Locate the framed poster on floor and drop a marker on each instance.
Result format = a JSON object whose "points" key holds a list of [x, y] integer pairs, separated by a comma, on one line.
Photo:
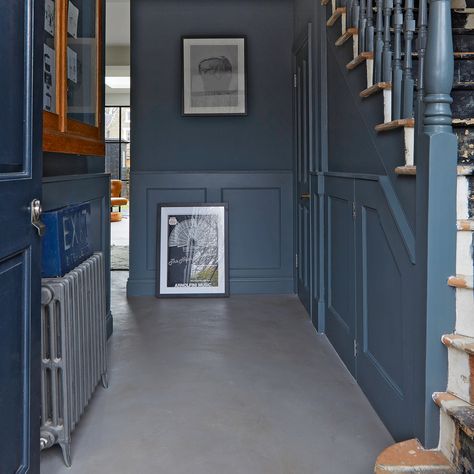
{"points": [[192, 250]]}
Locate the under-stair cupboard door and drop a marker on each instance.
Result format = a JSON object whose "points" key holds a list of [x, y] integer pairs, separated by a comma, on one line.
{"points": [[21, 25], [385, 309], [303, 157], [340, 258]]}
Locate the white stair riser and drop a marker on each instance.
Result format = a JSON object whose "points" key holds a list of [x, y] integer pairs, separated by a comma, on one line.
{"points": [[387, 105], [343, 23], [465, 312], [463, 195], [409, 135], [459, 374], [447, 436], [369, 64], [333, 3], [464, 257], [355, 45]]}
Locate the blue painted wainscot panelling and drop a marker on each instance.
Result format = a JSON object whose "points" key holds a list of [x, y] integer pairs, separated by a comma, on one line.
{"points": [[260, 225], [60, 191]]}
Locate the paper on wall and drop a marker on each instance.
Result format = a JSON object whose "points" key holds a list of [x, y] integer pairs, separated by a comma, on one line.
{"points": [[72, 20], [71, 65], [49, 16], [49, 78]]}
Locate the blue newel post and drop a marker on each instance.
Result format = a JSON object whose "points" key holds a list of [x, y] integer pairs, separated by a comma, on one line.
{"points": [[436, 216]]}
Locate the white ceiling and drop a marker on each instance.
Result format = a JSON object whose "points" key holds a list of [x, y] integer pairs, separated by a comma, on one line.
{"points": [[117, 23]]}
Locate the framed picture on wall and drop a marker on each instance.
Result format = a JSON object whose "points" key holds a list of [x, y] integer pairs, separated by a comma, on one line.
{"points": [[214, 76], [192, 250]]}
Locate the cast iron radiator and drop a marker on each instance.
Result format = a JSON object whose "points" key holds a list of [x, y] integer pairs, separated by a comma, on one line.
{"points": [[74, 341]]}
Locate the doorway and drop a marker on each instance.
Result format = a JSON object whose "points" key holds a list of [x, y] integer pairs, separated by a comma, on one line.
{"points": [[117, 163]]}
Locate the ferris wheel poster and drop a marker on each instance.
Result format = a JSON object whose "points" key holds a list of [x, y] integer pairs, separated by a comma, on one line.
{"points": [[192, 250]]}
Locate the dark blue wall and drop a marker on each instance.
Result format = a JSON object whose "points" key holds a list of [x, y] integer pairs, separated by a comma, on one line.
{"points": [[245, 161], [165, 140]]}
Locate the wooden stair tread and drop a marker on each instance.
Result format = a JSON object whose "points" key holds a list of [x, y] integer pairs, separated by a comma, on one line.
{"points": [[336, 14], [380, 86], [459, 342], [362, 57], [406, 170], [324, 2], [394, 124], [465, 225], [343, 38], [462, 170], [400, 457], [461, 281], [463, 54], [460, 411], [463, 122]]}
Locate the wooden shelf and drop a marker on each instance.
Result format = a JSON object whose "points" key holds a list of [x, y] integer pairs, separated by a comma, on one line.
{"points": [[359, 60], [335, 16], [380, 86], [394, 124], [343, 38]]}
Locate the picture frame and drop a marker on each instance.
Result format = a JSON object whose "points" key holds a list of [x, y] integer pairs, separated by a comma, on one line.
{"points": [[214, 76], [192, 250]]}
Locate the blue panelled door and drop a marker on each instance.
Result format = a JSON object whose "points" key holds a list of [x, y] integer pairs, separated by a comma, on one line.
{"points": [[303, 155], [20, 184]]}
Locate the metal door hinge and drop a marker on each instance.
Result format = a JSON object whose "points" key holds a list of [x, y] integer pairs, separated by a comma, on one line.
{"points": [[356, 348], [354, 210], [295, 81]]}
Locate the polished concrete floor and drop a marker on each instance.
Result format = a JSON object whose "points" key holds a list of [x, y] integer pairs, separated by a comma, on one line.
{"points": [[222, 386]]}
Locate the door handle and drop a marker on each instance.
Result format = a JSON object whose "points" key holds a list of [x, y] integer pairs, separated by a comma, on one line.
{"points": [[36, 222], [305, 196]]}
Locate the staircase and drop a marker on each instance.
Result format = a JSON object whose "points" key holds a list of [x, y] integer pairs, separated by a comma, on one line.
{"points": [[389, 40]]}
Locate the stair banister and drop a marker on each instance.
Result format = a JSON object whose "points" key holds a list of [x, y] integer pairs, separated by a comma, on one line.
{"points": [[436, 211], [369, 30], [421, 45], [362, 25], [378, 46], [397, 72], [387, 41], [355, 13], [439, 69], [408, 80]]}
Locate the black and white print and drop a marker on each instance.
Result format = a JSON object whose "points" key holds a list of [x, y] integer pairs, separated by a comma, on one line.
{"points": [[192, 250], [214, 76]]}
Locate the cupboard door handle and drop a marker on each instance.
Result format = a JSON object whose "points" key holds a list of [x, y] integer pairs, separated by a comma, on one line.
{"points": [[305, 196]]}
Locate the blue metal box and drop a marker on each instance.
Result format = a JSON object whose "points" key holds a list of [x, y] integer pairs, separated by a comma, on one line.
{"points": [[66, 243]]}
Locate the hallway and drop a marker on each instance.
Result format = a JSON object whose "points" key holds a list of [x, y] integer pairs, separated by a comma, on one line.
{"points": [[222, 386]]}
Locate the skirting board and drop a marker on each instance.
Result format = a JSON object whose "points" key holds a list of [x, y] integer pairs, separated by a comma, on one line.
{"points": [[237, 286]]}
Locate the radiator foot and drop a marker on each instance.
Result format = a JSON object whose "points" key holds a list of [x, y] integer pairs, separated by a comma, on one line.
{"points": [[66, 449], [104, 379], [47, 439]]}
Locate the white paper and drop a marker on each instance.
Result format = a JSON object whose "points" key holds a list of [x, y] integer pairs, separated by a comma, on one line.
{"points": [[71, 65], [49, 79], [72, 20], [49, 16]]}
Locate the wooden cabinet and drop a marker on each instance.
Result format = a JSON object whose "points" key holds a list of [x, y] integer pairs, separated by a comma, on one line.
{"points": [[73, 77]]}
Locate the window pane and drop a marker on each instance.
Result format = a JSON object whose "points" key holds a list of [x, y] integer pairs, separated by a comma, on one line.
{"points": [[125, 161], [112, 123], [112, 159], [49, 57], [82, 61], [126, 124]]}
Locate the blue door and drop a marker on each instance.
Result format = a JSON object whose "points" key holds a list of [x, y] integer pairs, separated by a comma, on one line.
{"points": [[20, 185], [340, 274], [303, 155]]}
